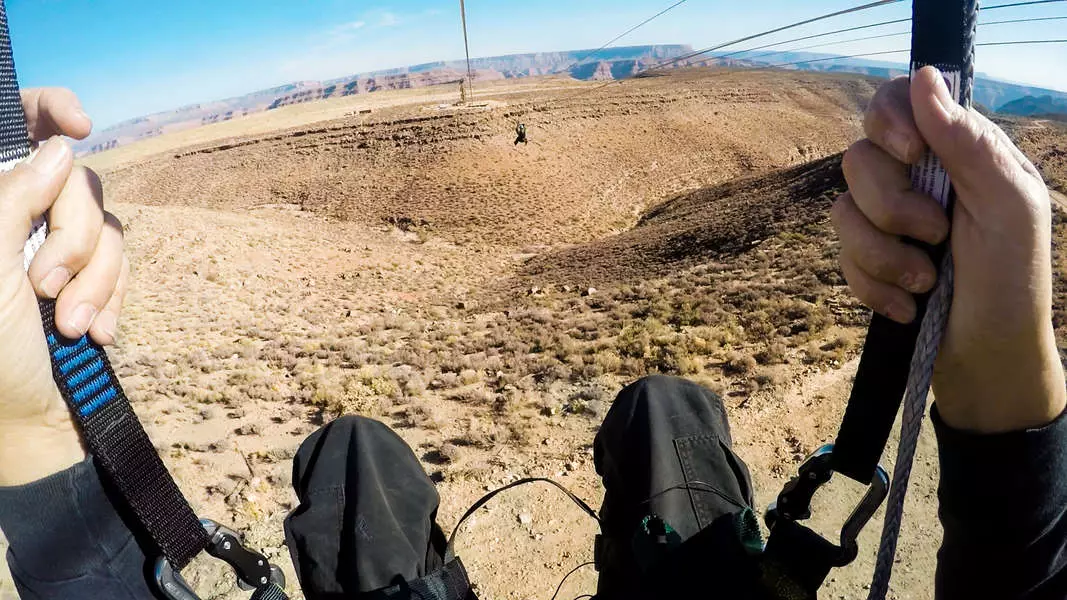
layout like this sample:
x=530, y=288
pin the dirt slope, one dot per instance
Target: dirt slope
x=596, y=159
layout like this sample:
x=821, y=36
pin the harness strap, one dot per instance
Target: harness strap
x=120, y=445
x=269, y=592
x=450, y=582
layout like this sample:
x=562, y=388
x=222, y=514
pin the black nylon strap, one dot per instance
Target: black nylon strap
x=14, y=139
x=269, y=592
x=120, y=445
x=943, y=36
x=795, y=562
x=450, y=582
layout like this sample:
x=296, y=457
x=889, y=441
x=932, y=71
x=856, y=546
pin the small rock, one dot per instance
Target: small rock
x=571, y=466
x=589, y=291
x=249, y=429
x=525, y=519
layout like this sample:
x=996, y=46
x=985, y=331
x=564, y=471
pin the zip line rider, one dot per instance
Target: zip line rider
x=998, y=415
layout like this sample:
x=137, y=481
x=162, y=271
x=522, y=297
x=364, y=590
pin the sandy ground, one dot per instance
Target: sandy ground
x=411, y=265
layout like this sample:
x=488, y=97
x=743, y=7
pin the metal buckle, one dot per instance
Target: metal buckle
x=252, y=568
x=794, y=503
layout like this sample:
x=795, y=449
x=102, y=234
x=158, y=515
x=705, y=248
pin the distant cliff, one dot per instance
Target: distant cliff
x=1037, y=106
x=607, y=64
x=581, y=64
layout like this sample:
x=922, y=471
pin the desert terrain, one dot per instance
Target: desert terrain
x=395, y=256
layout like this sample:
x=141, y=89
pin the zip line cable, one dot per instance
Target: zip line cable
x=1013, y=4
x=632, y=29
x=822, y=44
x=817, y=35
x=746, y=38
x=903, y=50
x=778, y=29
x=856, y=9
x=875, y=37
x=879, y=24
x=669, y=63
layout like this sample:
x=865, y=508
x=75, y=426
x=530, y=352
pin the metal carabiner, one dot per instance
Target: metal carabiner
x=252, y=568
x=794, y=503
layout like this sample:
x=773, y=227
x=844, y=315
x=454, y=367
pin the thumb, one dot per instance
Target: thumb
x=971, y=148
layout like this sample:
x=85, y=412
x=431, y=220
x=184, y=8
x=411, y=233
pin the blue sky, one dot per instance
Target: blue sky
x=127, y=58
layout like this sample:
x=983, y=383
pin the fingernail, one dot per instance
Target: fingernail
x=899, y=144
x=900, y=314
x=942, y=93
x=108, y=323
x=50, y=156
x=53, y=283
x=916, y=284
x=82, y=318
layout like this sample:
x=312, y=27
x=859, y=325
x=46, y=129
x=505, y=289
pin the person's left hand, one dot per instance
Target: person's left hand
x=81, y=265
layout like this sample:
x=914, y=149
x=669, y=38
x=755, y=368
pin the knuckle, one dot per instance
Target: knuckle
x=22, y=179
x=850, y=162
x=879, y=263
x=837, y=211
x=889, y=214
x=114, y=224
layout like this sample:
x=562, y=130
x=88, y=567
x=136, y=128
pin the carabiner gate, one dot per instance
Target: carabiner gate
x=794, y=503
x=252, y=568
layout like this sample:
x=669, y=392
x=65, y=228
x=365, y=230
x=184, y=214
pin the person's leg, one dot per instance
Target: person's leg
x=664, y=450
x=366, y=518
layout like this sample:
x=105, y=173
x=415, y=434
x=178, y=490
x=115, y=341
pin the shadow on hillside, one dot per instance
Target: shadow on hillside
x=713, y=223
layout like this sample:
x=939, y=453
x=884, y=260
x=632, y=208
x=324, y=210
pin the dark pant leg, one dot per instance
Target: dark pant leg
x=660, y=433
x=366, y=518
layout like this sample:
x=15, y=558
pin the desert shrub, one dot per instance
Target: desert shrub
x=469, y=376
x=689, y=364
x=414, y=385
x=446, y=380
x=774, y=353
x=471, y=395
x=633, y=367
x=758, y=326
x=739, y=363
x=608, y=361
x=766, y=379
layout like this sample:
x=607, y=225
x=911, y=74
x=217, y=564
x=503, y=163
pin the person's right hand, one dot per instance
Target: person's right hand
x=998, y=368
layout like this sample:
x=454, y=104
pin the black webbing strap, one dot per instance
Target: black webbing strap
x=795, y=562
x=942, y=36
x=88, y=384
x=269, y=592
x=14, y=139
x=450, y=582
x=120, y=445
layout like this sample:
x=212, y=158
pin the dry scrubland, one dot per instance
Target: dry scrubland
x=488, y=301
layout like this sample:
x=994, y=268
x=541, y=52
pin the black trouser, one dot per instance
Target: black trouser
x=367, y=510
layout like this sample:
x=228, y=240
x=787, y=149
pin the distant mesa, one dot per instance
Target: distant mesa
x=1037, y=106
x=601, y=65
